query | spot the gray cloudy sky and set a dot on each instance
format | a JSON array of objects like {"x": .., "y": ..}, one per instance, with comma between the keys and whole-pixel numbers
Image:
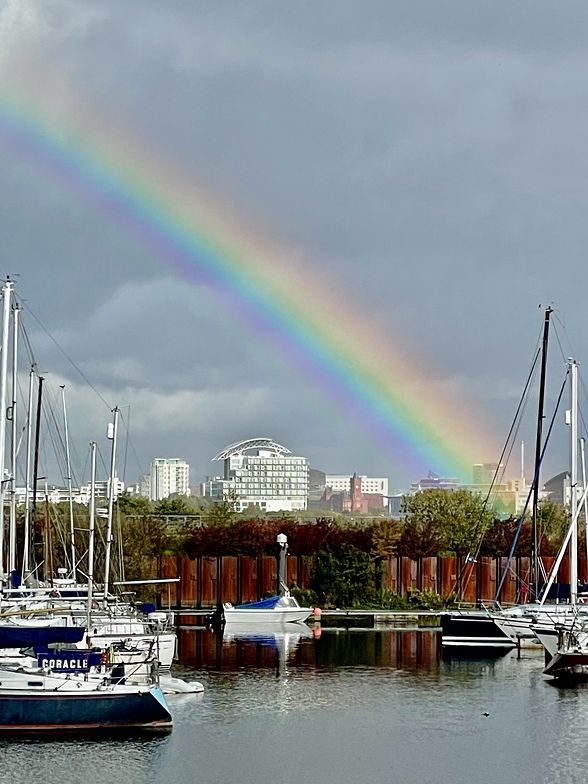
[{"x": 429, "y": 157}]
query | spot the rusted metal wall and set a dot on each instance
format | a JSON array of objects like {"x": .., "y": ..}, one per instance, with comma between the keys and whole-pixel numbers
[
  {"x": 207, "y": 581},
  {"x": 428, "y": 574}
]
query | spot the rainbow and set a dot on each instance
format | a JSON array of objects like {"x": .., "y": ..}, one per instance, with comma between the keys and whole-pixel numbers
[{"x": 197, "y": 236}]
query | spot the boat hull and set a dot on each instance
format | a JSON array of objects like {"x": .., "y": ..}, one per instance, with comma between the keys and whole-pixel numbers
[
  {"x": 568, "y": 664},
  {"x": 24, "y": 712},
  {"x": 468, "y": 630},
  {"x": 279, "y": 616}
]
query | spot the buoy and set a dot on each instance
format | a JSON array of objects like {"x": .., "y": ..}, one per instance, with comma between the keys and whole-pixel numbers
[{"x": 317, "y": 612}]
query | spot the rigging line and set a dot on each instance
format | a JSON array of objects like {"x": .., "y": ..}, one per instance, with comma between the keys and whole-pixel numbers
[
  {"x": 54, "y": 433},
  {"x": 563, "y": 353},
  {"x": 565, "y": 356},
  {"x": 564, "y": 330},
  {"x": 133, "y": 450},
  {"x": 518, "y": 414},
  {"x": 481, "y": 528},
  {"x": 102, "y": 461},
  {"x": 585, "y": 391},
  {"x": 546, "y": 529},
  {"x": 69, "y": 359},
  {"x": 27, "y": 344},
  {"x": 535, "y": 480},
  {"x": 127, "y": 425},
  {"x": 509, "y": 440}
]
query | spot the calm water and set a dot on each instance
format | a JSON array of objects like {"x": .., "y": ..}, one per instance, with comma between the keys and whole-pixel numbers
[{"x": 351, "y": 706}]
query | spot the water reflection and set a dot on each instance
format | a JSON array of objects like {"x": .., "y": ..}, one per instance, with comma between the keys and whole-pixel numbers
[
  {"x": 367, "y": 706},
  {"x": 305, "y": 648}
]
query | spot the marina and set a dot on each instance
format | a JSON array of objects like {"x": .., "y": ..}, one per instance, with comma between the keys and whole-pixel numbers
[
  {"x": 293, "y": 473},
  {"x": 361, "y": 705}
]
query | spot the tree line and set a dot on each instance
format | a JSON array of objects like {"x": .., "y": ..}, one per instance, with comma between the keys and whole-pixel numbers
[
  {"x": 345, "y": 556},
  {"x": 434, "y": 522}
]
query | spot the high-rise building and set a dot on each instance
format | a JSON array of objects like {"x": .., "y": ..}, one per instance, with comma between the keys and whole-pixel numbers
[
  {"x": 487, "y": 474},
  {"x": 168, "y": 476},
  {"x": 259, "y": 472}
]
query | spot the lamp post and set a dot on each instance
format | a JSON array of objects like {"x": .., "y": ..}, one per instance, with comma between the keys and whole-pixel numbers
[{"x": 282, "y": 541}]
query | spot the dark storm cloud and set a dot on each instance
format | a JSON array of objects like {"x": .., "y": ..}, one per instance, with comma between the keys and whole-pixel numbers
[{"x": 429, "y": 158}]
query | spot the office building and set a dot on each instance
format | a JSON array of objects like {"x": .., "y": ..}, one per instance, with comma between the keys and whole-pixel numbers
[{"x": 262, "y": 474}]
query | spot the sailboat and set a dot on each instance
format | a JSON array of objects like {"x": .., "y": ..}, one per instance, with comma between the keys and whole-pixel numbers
[
  {"x": 60, "y": 609},
  {"x": 35, "y": 699},
  {"x": 81, "y": 690},
  {"x": 498, "y": 630}
]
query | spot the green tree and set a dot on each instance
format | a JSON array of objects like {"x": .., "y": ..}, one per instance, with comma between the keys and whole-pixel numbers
[
  {"x": 343, "y": 577},
  {"x": 456, "y": 518},
  {"x": 133, "y": 504},
  {"x": 385, "y": 537},
  {"x": 553, "y": 521},
  {"x": 223, "y": 512},
  {"x": 174, "y": 505}
]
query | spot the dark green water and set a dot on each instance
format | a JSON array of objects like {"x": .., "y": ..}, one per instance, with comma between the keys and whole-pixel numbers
[{"x": 351, "y": 706}]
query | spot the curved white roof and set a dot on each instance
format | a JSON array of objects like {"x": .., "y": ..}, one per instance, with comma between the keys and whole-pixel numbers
[{"x": 251, "y": 443}]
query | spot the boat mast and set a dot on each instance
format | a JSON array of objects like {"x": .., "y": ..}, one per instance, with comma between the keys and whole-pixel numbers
[
  {"x": 540, "y": 416},
  {"x": 583, "y": 455},
  {"x": 7, "y": 297},
  {"x": 27, "y": 523},
  {"x": 574, "y": 481},
  {"x": 36, "y": 470},
  {"x": 92, "y": 524},
  {"x": 13, "y": 449}
]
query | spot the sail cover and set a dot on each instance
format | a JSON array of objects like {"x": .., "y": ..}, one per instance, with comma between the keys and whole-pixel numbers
[
  {"x": 16, "y": 637},
  {"x": 264, "y": 604}
]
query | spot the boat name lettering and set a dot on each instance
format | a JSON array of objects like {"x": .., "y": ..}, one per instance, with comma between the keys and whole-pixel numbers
[{"x": 79, "y": 663}]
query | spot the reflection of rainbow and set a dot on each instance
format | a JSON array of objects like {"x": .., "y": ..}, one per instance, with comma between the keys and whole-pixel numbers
[{"x": 159, "y": 207}]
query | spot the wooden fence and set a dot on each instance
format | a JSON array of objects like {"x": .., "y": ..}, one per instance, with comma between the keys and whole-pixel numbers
[{"x": 207, "y": 581}]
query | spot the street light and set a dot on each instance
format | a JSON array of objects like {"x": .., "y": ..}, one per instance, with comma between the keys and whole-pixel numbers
[{"x": 282, "y": 541}]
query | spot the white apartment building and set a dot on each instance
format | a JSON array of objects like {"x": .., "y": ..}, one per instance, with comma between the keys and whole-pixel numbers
[
  {"x": 340, "y": 483},
  {"x": 262, "y": 473},
  {"x": 168, "y": 476},
  {"x": 80, "y": 495}
]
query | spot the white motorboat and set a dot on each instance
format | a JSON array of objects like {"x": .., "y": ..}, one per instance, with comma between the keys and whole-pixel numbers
[{"x": 274, "y": 611}]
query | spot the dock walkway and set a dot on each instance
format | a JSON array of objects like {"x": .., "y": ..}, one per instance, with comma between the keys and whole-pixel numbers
[{"x": 364, "y": 619}]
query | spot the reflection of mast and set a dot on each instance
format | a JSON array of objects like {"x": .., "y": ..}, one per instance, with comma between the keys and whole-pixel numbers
[{"x": 282, "y": 652}]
